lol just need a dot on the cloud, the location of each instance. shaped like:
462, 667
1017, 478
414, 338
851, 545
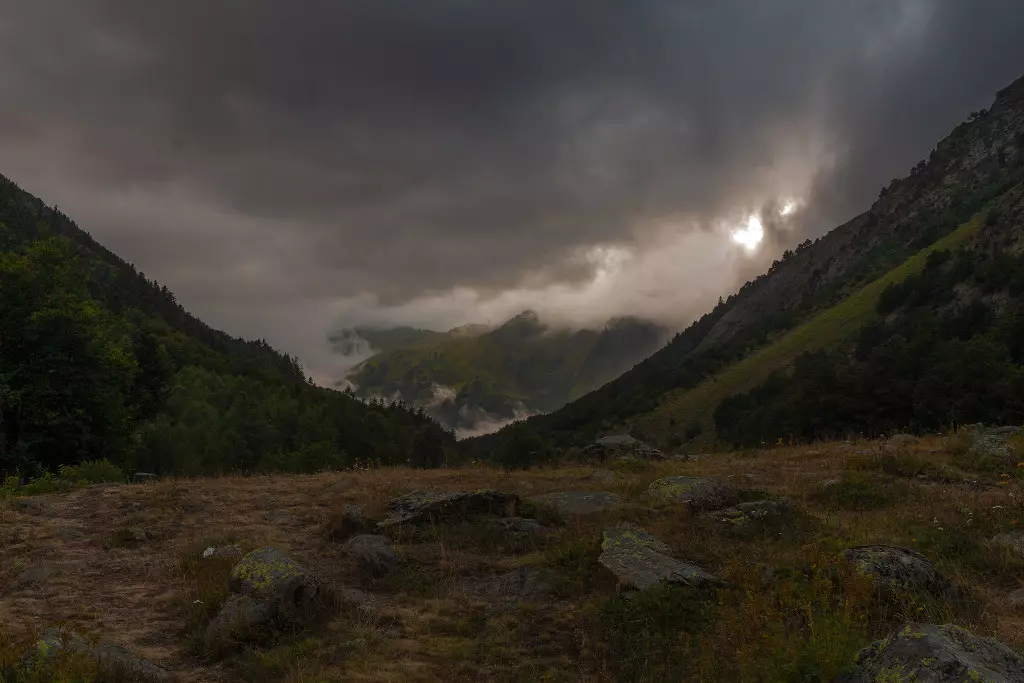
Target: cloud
288, 168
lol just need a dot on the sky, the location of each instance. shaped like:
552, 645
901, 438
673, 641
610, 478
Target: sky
289, 169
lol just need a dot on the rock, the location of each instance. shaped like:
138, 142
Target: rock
1012, 541
222, 551
699, 493
436, 506
71, 533
744, 513
140, 535
1007, 430
111, 658
604, 477
241, 618
894, 567
33, 576
277, 516
272, 592
269, 573
372, 554
929, 653
519, 534
622, 445
524, 583
641, 561
350, 521
27, 506
141, 477
509, 588
1015, 599
579, 502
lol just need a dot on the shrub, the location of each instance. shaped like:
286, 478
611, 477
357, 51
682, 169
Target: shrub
93, 472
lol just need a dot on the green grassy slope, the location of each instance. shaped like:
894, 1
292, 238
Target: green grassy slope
825, 330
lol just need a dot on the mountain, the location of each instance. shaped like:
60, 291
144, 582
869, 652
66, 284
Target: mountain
473, 377
97, 361
861, 330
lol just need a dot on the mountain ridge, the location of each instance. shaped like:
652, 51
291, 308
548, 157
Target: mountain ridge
978, 162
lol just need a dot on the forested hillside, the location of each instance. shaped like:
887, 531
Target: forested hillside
97, 361
969, 304
475, 375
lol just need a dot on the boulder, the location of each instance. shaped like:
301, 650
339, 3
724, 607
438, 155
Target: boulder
372, 555
930, 653
272, 591
578, 502
241, 618
897, 568
604, 477
269, 573
900, 442
697, 492
350, 521
111, 658
641, 561
437, 506
744, 513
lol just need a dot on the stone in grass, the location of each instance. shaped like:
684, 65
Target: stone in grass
930, 653
640, 561
699, 493
758, 510
1012, 541
350, 521
578, 502
517, 533
898, 568
372, 555
112, 659
34, 576
271, 592
441, 506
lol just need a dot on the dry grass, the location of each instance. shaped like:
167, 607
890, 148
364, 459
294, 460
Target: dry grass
790, 611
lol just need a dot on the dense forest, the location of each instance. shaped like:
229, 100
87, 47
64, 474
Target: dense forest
947, 348
99, 362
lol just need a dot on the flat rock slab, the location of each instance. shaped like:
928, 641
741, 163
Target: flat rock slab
579, 502
929, 653
641, 561
745, 513
896, 567
111, 658
697, 492
438, 506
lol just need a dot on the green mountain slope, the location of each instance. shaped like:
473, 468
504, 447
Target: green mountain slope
468, 377
829, 285
96, 361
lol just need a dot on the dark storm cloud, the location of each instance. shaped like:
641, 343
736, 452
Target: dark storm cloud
268, 159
